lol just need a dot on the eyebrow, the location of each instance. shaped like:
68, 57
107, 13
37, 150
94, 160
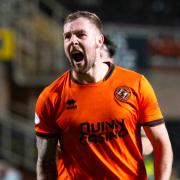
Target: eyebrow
74, 32
64, 34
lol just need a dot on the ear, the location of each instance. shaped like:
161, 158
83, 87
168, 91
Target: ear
99, 40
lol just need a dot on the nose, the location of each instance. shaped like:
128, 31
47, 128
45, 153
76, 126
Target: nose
74, 39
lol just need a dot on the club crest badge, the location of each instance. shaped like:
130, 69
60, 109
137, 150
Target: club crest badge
122, 93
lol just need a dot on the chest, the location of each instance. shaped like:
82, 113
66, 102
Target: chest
97, 105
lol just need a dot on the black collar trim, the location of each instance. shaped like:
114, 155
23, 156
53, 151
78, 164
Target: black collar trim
108, 74
110, 71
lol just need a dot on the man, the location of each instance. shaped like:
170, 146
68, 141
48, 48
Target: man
108, 50
95, 111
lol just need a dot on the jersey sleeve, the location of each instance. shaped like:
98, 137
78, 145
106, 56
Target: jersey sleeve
150, 113
45, 124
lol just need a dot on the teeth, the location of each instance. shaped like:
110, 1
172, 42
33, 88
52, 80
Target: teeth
75, 52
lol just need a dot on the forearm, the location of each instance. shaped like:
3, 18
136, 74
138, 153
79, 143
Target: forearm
46, 171
46, 162
163, 158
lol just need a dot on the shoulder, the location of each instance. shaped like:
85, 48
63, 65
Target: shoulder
58, 83
127, 71
54, 89
128, 75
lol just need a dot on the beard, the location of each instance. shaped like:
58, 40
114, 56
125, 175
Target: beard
84, 66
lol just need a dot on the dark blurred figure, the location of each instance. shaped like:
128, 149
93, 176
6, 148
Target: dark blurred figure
7, 172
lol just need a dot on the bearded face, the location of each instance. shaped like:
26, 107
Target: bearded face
81, 44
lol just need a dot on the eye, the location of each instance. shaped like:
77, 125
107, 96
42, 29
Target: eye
81, 35
67, 36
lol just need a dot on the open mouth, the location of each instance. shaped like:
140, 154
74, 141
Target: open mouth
77, 55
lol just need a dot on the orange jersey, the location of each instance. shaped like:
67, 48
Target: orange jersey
98, 124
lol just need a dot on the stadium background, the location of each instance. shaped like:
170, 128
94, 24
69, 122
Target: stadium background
31, 56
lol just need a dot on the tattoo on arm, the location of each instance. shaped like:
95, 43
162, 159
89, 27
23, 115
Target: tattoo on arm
46, 161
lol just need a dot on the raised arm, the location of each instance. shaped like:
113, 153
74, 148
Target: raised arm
163, 155
46, 161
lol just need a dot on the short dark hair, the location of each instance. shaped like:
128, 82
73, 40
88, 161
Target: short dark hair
89, 15
111, 46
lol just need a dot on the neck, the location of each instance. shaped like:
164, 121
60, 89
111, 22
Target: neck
95, 74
